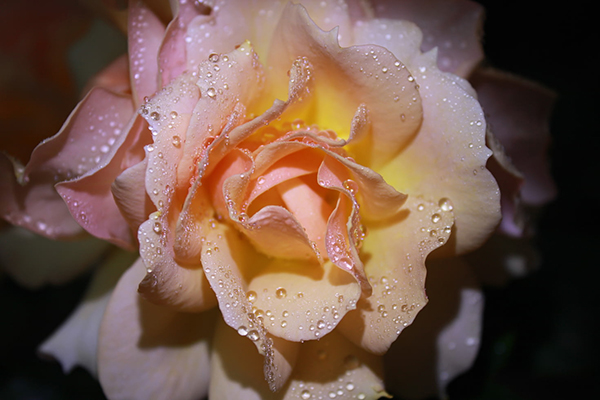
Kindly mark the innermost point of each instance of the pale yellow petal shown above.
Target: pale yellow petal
(448, 156)
(394, 252)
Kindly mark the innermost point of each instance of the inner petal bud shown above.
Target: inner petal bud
(306, 202)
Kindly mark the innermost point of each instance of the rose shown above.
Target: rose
(185, 232)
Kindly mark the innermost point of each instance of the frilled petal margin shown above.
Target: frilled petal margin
(148, 351)
(34, 261)
(443, 340)
(75, 342)
(380, 83)
(394, 251)
(331, 367)
(448, 156)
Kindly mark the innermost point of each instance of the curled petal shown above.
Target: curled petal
(147, 351)
(130, 195)
(380, 83)
(75, 341)
(169, 282)
(394, 252)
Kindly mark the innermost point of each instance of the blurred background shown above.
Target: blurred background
(540, 335)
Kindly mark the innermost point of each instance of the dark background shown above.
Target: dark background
(540, 332)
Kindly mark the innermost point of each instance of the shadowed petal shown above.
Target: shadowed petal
(75, 341)
(443, 340)
(147, 351)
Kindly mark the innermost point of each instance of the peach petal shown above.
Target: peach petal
(225, 84)
(35, 206)
(297, 194)
(394, 252)
(278, 162)
(302, 301)
(130, 195)
(147, 351)
(454, 27)
(92, 191)
(236, 366)
(380, 83)
(224, 257)
(448, 157)
(172, 53)
(444, 339)
(145, 37)
(344, 233)
(168, 282)
(276, 232)
(75, 342)
(85, 144)
(52, 262)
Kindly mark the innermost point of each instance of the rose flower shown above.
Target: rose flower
(285, 171)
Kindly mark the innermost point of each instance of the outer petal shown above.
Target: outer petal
(147, 351)
(86, 143)
(448, 156)
(34, 261)
(328, 368)
(75, 341)
(90, 192)
(518, 112)
(444, 339)
(145, 37)
(454, 27)
(380, 83)
(394, 252)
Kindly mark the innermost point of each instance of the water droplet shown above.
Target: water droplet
(242, 330)
(350, 386)
(173, 114)
(435, 218)
(305, 395)
(213, 57)
(320, 324)
(445, 204)
(253, 335)
(420, 207)
(155, 116)
(283, 324)
(157, 228)
(211, 92)
(280, 293)
(176, 141)
(251, 296)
